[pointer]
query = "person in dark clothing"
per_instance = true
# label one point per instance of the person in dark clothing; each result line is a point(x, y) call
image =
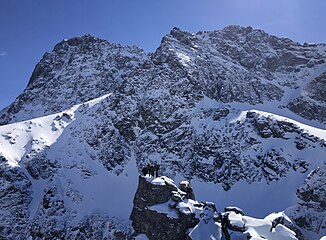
point(157, 167)
point(148, 166)
point(144, 171)
point(151, 170)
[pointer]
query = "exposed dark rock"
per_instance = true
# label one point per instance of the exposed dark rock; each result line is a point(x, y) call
point(309, 213)
point(154, 224)
point(149, 194)
point(15, 195)
point(311, 103)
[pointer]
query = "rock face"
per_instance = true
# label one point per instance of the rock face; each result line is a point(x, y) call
point(165, 222)
point(162, 103)
point(52, 218)
point(310, 212)
point(92, 106)
point(311, 103)
point(15, 197)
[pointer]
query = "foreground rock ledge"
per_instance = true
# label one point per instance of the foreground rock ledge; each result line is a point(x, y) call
point(164, 211)
point(167, 223)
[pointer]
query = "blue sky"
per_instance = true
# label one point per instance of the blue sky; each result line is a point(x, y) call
point(29, 28)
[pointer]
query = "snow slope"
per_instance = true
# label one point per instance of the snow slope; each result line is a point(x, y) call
point(84, 184)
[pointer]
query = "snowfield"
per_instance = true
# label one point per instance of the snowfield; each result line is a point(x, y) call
point(86, 185)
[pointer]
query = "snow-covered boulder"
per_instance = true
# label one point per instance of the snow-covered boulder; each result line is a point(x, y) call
point(208, 227)
point(231, 225)
point(185, 186)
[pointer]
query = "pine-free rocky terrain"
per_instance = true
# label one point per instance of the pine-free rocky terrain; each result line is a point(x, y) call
point(239, 113)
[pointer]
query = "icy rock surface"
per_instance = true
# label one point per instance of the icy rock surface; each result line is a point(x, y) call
point(15, 197)
point(310, 212)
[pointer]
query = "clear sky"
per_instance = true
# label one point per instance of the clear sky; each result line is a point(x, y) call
point(29, 28)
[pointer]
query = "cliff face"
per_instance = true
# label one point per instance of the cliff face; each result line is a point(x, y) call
point(310, 212)
point(311, 102)
point(158, 216)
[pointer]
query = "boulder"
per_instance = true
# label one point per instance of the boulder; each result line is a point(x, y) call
point(185, 186)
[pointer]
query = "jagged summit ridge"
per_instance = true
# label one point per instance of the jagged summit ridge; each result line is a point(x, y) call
point(233, 64)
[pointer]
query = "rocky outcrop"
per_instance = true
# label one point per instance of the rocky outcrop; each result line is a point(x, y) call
point(310, 212)
point(15, 195)
point(311, 102)
point(158, 216)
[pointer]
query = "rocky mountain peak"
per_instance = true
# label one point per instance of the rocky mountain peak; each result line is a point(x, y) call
point(77, 41)
point(184, 37)
point(236, 32)
point(62, 50)
point(76, 70)
point(235, 64)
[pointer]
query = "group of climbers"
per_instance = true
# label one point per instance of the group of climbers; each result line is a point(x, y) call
point(150, 169)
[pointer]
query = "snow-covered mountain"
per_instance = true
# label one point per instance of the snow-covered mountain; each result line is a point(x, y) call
point(238, 112)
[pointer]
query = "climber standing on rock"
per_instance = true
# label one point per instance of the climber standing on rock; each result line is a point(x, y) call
point(151, 170)
point(144, 171)
point(148, 167)
point(157, 167)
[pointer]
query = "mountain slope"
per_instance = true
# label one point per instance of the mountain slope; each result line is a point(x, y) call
point(60, 173)
point(226, 109)
point(50, 178)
